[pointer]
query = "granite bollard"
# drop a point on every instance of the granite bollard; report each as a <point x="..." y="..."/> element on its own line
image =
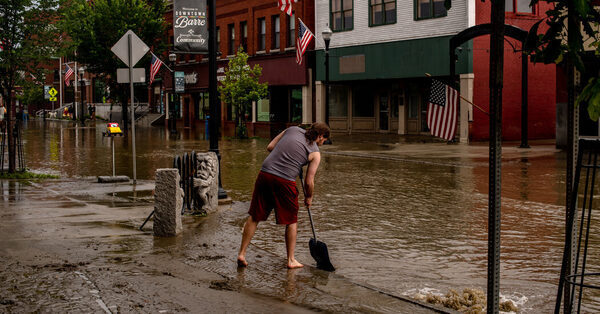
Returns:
<point x="206" y="182"/>
<point x="168" y="200"/>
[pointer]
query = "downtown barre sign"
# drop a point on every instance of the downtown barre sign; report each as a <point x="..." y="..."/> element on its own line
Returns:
<point x="190" y="26"/>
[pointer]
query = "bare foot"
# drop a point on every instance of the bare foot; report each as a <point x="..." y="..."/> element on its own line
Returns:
<point x="294" y="264"/>
<point x="241" y="261"/>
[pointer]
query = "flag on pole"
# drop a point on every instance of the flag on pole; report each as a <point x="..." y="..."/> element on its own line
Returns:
<point x="286" y="6"/>
<point x="304" y="38"/>
<point x="442" y="110"/>
<point x="68" y="74"/>
<point x="154" y="67"/>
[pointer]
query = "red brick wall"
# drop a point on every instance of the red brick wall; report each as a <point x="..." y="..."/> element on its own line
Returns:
<point x="542" y="82"/>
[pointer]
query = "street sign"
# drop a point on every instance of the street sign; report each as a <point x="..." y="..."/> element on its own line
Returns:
<point x="179" y="81"/>
<point x="139" y="75"/>
<point x="46" y="91"/>
<point x="52" y="92"/>
<point x="138" y="48"/>
<point x="52" y="98"/>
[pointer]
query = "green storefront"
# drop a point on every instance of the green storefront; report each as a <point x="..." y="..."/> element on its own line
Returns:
<point x="383" y="87"/>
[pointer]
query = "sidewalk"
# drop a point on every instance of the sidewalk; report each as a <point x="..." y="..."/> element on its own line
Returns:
<point x="72" y="245"/>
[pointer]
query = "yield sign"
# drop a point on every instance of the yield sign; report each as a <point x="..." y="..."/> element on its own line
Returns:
<point x="138" y="48"/>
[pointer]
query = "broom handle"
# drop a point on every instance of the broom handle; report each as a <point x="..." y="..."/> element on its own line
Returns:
<point x="307" y="208"/>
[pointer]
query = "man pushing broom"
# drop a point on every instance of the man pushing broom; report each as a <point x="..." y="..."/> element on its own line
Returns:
<point x="275" y="186"/>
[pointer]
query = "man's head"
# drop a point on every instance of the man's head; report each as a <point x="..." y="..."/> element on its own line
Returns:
<point x="318" y="133"/>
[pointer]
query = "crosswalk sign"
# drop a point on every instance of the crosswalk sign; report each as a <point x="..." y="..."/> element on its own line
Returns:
<point x="53" y="93"/>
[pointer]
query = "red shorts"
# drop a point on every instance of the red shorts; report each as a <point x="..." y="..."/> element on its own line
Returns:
<point x="271" y="191"/>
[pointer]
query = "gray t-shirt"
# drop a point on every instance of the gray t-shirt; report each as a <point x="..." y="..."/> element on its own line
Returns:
<point x="290" y="154"/>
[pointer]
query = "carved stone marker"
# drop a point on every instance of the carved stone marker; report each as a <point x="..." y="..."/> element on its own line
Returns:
<point x="168" y="200"/>
<point x="206" y="182"/>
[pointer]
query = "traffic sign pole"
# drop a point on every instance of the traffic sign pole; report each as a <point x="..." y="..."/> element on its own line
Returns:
<point x="132" y="104"/>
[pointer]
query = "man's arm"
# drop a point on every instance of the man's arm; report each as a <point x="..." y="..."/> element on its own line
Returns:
<point x="274" y="142"/>
<point x="314" y="159"/>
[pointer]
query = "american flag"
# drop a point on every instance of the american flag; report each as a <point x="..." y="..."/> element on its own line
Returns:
<point x="68" y="74"/>
<point x="286" y="6"/>
<point x="154" y="67"/>
<point x="304" y="38"/>
<point x="442" y="109"/>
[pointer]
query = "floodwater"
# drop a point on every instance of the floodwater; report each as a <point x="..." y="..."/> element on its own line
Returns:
<point x="397" y="214"/>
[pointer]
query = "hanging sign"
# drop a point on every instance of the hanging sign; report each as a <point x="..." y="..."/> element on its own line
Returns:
<point x="190" y="26"/>
<point x="179" y="81"/>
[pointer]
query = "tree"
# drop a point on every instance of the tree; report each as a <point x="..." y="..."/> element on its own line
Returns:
<point x="240" y="88"/>
<point x="558" y="44"/>
<point x="95" y="26"/>
<point x="28" y="39"/>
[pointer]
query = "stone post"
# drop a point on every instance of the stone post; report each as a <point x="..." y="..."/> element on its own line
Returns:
<point x="168" y="201"/>
<point x="206" y="183"/>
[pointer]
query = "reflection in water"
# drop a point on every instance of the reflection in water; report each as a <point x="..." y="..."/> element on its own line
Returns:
<point x="395" y="215"/>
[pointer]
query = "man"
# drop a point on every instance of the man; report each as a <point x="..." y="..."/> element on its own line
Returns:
<point x="275" y="185"/>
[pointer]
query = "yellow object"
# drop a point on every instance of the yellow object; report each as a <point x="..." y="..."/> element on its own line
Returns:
<point x="113" y="128"/>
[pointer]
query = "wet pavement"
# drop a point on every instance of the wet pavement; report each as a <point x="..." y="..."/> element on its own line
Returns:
<point x="399" y="216"/>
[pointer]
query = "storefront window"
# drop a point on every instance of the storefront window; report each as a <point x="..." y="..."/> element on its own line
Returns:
<point x="202" y="106"/>
<point x="262" y="110"/>
<point x="413" y="107"/>
<point x="363" y="105"/>
<point x="338" y="101"/>
<point x="296" y="106"/>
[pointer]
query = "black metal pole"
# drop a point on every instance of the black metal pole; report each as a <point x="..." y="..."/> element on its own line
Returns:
<point x="524" y="102"/>
<point x="495" y="159"/>
<point x="172" y="121"/>
<point x="327" y="82"/>
<point x="214" y="104"/>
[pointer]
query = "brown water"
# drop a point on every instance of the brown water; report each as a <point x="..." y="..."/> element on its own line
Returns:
<point x="400" y="215"/>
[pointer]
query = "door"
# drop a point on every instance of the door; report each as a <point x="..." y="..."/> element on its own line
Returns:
<point x="384" y="112"/>
<point x="413" y="125"/>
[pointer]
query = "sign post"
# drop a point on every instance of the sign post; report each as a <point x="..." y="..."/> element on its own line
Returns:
<point x="130" y="49"/>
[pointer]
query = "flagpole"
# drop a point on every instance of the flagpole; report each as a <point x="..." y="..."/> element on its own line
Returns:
<point x="166" y="66"/>
<point x="468" y="101"/>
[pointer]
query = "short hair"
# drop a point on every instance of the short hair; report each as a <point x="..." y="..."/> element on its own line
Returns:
<point x="316" y="129"/>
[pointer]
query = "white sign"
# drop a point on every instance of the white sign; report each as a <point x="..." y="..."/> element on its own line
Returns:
<point x="191" y="78"/>
<point x="139" y="75"/>
<point x="138" y="48"/>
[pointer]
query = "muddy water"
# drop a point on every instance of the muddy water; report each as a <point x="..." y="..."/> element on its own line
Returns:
<point x="402" y="216"/>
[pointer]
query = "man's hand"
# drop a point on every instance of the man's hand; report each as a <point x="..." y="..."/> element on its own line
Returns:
<point x="307" y="201"/>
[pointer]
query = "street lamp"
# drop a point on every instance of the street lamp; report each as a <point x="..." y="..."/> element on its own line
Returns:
<point x="172" y="126"/>
<point x="327" y="38"/>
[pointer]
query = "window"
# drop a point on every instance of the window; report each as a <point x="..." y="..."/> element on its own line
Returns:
<point x="262" y="110"/>
<point x="519" y="6"/>
<point x="338" y="101"/>
<point x="341" y="17"/>
<point x="275" y="31"/>
<point x="382" y="12"/>
<point x="426" y="9"/>
<point x="244" y="37"/>
<point x="262" y="34"/>
<point x="218" y="41"/>
<point x="231" y="41"/>
<point x="363" y="104"/>
<point x="291" y="24"/>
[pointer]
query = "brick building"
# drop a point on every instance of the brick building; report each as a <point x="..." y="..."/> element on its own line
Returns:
<point x="268" y="36"/>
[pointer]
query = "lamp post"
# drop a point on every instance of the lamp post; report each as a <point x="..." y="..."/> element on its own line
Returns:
<point x="327" y="38"/>
<point x="172" y="126"/>
<point x="82" y="98"/>
<point x="214" y="102"/>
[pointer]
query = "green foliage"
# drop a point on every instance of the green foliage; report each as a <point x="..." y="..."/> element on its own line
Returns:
<point x="27" y="175"/>
<point x="557" y="45"/>
<point x="95" y="26"/>
<point x="33" y="94"/>
<point x="28" y="38"/>
<point x="241" y="87"/>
